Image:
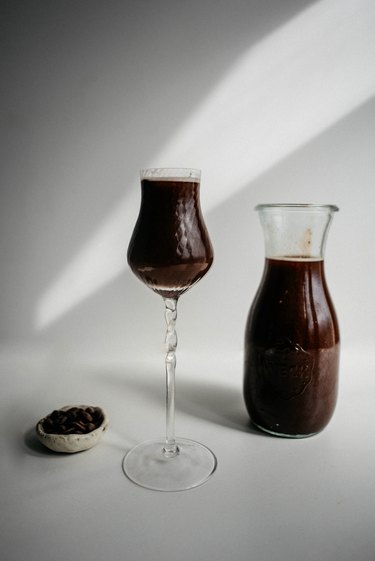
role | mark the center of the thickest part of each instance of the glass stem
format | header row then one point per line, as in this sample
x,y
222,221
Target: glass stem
x,y
170,448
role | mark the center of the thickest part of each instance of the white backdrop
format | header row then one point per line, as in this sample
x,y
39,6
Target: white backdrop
x,y
273,101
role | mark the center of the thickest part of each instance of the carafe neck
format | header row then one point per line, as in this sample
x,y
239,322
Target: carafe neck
x,y
295,231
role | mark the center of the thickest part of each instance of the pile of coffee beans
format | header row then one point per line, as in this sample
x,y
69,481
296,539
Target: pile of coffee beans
x,y
75,420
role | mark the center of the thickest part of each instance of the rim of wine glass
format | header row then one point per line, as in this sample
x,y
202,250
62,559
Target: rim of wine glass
x,y
170,173
297,207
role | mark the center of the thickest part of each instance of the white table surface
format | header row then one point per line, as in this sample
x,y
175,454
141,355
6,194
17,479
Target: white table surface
x,y
270,498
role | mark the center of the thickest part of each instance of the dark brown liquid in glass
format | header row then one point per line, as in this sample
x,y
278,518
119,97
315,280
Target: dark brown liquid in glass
x,y
291,350
170,249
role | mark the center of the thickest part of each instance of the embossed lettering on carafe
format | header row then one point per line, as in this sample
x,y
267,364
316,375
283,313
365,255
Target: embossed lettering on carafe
x,y
287,368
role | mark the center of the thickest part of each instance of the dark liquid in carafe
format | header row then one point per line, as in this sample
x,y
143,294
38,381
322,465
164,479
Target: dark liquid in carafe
x,y
291,350
170,249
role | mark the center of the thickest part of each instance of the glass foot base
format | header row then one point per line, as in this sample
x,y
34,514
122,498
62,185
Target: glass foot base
x,y
148,466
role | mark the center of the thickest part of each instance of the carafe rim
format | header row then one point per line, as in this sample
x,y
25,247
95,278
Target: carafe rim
x,y
297,207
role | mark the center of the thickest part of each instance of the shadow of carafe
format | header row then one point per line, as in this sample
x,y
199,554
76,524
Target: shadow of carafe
x,y
215,403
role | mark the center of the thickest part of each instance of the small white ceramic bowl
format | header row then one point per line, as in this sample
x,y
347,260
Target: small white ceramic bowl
x,y
70,443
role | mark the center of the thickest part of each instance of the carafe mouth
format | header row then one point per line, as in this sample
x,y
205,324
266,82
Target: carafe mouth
x,y
297,207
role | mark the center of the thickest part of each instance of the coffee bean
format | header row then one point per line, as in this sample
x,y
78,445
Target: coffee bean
x,y
75,420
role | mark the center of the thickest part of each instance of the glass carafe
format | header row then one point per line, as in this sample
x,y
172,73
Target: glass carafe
x,y
292,335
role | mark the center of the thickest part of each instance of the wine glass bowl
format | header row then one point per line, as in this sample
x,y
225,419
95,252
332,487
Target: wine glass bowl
x,y
170,251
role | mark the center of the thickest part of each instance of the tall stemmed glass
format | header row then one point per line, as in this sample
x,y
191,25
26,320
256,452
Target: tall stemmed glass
x,y
170,251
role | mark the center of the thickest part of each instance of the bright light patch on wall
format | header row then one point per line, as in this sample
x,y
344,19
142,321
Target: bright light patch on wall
x,y
283,92
280,94
96,264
